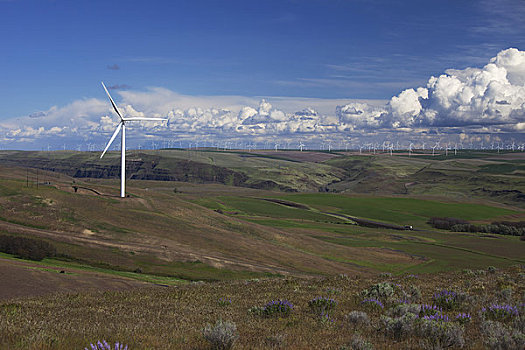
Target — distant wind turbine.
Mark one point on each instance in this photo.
(122, 125)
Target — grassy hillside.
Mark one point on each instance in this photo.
(212, 231)
(470, 174)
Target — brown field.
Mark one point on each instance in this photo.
(21, 278)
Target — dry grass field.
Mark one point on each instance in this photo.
(174, 317)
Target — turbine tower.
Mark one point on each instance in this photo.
(122, 125)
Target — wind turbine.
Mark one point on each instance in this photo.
(122, 125)
(434, 148)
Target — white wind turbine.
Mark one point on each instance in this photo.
(122, 125)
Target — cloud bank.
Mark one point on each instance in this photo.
(487, 100)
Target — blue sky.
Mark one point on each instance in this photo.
(56, 52)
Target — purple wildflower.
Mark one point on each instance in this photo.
(224, 302)
(497, 312)
(320, 304)
(278, 307)
(447, 299)
(372, 302)
(103, 345)
(436, 317)
(429, 310)
(463, 318)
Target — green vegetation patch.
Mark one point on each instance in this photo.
(397, 210)
(502, 168)
(260, 207)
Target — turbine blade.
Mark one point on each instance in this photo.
(112, 102)
(140, 118)
(111, 140)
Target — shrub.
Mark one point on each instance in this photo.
(322, 305)
(358, 319)
(497, 336)
(505, 294)
(359, 343)
(383, 290)
(105, 346)
(445, 223)
(398, 327)
(279, 308)
(402, 309)
(26, 248)
(256, 310)
(222, 335)
(438, 333)
(411, 295)
(277, 341)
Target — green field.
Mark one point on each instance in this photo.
(398, 210)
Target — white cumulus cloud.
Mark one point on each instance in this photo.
(472, 100)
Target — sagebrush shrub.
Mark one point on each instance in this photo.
(492, 269)
(222, 335)
(398, 327)
(498, 336)
(438, 333)
(411, 295)
(359, 343)
(401, 309)
(383, 290)
(358, 319)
